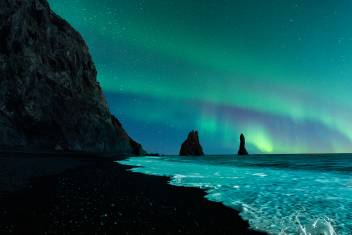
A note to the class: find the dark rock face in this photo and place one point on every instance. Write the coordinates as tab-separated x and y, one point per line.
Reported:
125	140
191	146
242	149
49	95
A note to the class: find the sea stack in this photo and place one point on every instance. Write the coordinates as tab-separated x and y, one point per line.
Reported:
191	146
49	96
242	149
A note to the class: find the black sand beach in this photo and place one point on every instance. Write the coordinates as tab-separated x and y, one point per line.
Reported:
42	194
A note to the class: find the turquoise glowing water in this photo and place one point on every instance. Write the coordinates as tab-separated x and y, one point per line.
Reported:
279	194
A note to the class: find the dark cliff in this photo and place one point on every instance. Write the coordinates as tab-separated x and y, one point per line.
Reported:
49	95
135	148
191	146
242	148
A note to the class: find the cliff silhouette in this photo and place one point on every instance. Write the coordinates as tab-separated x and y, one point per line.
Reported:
49	95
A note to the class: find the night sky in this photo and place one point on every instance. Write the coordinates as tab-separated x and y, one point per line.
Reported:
278	71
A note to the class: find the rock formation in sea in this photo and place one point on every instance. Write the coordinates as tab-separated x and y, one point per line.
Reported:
242	149
49	95
191	146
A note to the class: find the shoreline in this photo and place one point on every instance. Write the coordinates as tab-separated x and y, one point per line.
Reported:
100	196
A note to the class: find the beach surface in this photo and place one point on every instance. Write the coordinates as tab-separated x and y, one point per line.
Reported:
75	194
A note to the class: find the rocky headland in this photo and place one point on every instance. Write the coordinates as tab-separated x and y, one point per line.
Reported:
49	95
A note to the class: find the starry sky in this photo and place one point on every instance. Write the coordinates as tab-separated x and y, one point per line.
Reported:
278	71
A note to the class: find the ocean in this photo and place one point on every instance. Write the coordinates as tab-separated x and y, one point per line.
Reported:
278	194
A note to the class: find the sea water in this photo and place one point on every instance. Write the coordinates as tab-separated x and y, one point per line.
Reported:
279	194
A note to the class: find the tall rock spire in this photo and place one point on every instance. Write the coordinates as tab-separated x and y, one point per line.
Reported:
242	149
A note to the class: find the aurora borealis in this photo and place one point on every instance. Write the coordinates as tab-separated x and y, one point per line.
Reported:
278	71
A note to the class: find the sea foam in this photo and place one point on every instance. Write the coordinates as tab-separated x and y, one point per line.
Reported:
289	198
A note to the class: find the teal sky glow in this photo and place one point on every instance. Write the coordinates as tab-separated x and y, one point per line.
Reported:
278	71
